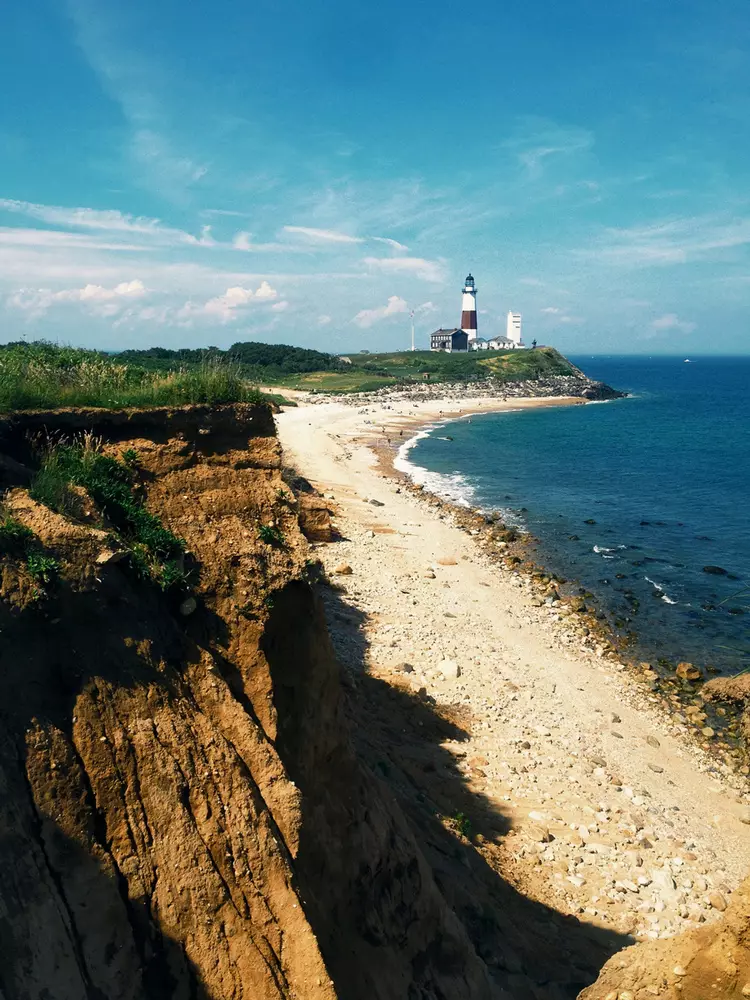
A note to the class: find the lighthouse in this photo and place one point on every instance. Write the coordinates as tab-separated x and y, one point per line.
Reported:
469	310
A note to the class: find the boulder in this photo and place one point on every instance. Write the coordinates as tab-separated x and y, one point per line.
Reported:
315	518
715	570
688	672
343	569
450	670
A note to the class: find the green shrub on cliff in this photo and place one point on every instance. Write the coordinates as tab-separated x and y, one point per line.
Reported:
155	551
15	537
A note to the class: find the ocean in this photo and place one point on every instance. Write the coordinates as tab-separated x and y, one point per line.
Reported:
664	475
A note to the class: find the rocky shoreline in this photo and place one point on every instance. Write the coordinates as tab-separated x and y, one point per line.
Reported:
576	386
709	721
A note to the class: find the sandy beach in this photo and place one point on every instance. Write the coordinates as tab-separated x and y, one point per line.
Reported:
614	814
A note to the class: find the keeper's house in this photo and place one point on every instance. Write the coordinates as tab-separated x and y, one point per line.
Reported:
449	340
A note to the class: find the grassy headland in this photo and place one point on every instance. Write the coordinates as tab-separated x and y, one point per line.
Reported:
41	375
299	368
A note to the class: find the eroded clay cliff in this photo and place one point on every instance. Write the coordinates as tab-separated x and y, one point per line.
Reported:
182	812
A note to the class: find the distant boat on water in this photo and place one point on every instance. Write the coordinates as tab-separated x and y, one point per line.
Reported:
687	361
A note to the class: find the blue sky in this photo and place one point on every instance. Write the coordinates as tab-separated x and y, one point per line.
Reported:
198	173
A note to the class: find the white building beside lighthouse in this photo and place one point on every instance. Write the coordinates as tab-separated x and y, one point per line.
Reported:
513	329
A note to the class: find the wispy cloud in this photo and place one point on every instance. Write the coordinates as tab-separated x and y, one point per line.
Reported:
417	267
670	241
540	141
366	317
103	220
333	236
135	84
322	235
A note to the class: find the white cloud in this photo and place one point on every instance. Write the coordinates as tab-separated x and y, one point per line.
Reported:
324	320
242	241
280	306
322	235
418	267
265	291
425	308
38	301
225	307
366	317
670	321
551	310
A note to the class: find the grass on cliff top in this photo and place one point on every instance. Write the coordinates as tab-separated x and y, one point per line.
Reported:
368	372
44	376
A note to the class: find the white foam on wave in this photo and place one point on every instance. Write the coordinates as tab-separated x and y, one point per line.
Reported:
662	593
454	486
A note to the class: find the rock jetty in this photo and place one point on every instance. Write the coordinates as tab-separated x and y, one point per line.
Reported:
551	385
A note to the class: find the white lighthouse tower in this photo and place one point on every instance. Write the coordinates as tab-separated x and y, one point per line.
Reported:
469	310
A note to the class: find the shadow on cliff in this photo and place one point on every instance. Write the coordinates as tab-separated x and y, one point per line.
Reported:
528	949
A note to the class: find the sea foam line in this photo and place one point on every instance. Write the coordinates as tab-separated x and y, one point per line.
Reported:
454	487
662	593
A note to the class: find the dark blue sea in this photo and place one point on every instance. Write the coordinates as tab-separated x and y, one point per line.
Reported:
665	474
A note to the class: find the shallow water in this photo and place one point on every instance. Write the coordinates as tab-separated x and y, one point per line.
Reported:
665	476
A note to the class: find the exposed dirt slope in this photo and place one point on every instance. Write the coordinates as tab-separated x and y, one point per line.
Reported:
712	961
181	810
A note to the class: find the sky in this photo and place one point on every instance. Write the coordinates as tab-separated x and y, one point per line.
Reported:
195	174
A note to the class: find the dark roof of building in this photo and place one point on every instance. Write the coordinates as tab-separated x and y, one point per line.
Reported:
453	329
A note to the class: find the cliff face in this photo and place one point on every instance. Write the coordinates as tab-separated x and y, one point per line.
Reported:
182	813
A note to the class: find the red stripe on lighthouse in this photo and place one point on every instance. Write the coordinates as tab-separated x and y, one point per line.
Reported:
469	320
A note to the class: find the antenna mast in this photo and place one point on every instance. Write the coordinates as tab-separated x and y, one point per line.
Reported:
411	313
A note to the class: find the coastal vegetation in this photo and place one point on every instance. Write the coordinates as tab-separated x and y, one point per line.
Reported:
42	375
298	368
70	472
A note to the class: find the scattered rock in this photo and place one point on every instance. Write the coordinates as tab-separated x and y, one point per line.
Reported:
656	768
377	503
403	668
428	575
715	570
717	901
343	569
108	556
688	672
450	670
614	717
653	742
538	834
